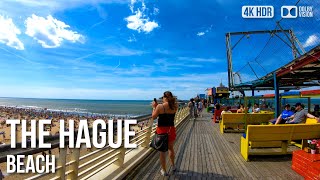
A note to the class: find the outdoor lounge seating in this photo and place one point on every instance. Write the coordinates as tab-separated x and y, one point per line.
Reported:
269	135
234	122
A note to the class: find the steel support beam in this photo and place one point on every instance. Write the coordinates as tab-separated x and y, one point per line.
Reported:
258	32
229	56
276	96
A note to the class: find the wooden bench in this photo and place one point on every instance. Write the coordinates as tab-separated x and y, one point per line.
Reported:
311	121
283	134
278	143
234	122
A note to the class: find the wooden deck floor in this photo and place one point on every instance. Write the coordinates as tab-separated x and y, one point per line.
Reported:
203	153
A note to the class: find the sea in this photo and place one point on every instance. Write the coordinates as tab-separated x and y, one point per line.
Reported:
132	108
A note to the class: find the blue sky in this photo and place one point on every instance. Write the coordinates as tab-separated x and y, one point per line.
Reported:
121	49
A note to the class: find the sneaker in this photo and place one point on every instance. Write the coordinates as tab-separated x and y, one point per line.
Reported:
174	168
164	173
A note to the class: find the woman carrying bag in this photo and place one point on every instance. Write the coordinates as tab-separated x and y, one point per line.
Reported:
166	113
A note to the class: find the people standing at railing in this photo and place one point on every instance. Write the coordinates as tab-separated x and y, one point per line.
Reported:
284	116
166	113
300	116
191	108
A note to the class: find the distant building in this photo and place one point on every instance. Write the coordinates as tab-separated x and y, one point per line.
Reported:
215	94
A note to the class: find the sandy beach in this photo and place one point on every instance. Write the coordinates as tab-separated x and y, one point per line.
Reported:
27	114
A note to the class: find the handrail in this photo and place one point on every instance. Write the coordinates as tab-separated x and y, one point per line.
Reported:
79	167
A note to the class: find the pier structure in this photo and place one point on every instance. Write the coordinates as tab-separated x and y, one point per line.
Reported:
202	152
301	72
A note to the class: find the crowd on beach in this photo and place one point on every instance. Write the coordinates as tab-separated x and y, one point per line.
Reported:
7	113
29	113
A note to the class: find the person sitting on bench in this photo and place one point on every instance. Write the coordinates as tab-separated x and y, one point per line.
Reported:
256	108
284	116
300	116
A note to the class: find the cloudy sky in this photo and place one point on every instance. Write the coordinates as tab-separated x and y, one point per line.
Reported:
122	49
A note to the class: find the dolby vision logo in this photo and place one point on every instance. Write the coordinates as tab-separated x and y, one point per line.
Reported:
289	11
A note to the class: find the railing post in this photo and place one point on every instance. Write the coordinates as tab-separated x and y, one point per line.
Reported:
74	166
178	116
62	163
122	152
148	134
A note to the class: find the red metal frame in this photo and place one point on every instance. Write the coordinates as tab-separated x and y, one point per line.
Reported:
305	61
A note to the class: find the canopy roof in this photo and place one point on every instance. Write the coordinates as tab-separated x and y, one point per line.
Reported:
303	71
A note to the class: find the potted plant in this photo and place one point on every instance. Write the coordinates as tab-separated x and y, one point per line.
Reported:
313	146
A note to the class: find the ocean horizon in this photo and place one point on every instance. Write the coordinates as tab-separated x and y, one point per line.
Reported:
85	106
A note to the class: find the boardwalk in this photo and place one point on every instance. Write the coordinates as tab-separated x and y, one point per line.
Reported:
203	153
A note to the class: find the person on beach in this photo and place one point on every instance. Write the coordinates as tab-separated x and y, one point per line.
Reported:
284	116
166	113
301	115
191	108
1	175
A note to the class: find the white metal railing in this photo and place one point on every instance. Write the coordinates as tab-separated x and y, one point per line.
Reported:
85	166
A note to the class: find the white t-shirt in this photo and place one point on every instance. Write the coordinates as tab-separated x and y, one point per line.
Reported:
200	106
257	110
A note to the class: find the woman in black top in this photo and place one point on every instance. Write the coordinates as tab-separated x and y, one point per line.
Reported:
166	113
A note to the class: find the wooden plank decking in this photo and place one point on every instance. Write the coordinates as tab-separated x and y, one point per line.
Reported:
203	153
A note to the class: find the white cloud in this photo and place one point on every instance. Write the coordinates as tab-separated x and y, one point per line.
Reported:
163	51
200	33
206	31
50	32
127	87
144	70
139	21
132	39
311	41
9	32
155	11
194	59
113	51
171	65
122	51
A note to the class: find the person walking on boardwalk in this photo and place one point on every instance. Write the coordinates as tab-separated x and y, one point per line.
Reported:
200	108
191	108
166	113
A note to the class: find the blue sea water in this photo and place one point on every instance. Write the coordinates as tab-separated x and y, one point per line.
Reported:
112	107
